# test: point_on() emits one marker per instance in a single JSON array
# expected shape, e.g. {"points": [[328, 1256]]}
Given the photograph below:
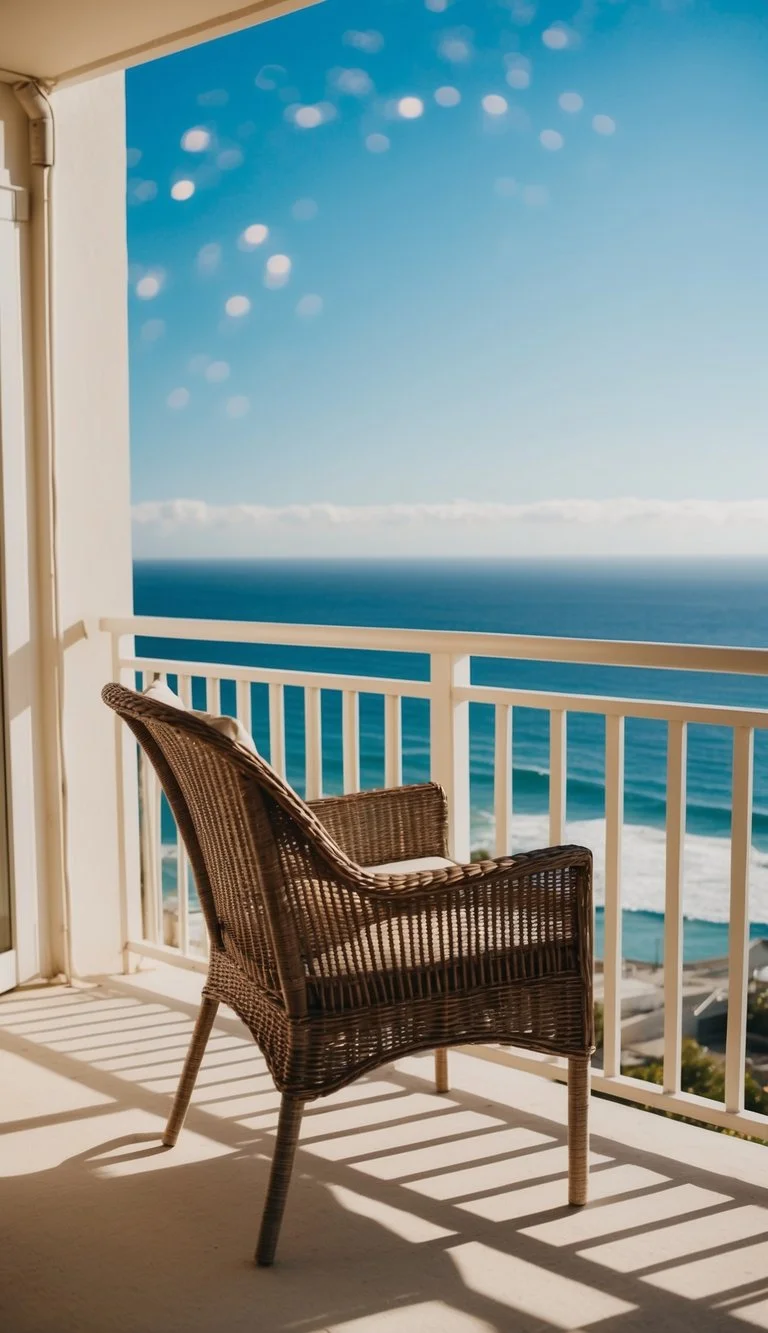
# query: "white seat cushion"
{"points": [[412, 867]]}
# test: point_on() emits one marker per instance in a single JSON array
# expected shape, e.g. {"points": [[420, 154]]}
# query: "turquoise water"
{"points": [[683, 601]]}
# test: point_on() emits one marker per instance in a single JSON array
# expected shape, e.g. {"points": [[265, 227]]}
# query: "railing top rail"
{"points": [[658, 710], [323, 680], [538, 648]]}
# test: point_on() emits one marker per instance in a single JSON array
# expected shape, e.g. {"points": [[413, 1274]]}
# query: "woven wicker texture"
{"points": [[336, 969]]}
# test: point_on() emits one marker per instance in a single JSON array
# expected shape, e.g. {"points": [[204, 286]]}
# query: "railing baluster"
{"points": [[313, 739], [182, 863], [149, 788], [157, 819], [350, 731], [277, 729], [558, 733], [673, 905], [449, 746], [612, 951], [127, 797], [502, 779], [738, 927], [393, 742], [213, 695], [243, 696]]}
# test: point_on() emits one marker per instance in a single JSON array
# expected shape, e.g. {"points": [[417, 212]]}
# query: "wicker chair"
{"points": [[336, 969]]}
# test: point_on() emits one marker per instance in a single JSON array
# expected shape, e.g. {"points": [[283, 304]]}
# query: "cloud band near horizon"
{"points": [[180, 514]]}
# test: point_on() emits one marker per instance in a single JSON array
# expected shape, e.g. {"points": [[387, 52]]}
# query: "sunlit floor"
{"points": [[408, 1211]]}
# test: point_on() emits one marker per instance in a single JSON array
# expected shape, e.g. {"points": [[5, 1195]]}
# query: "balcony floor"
{"points": [[409, 1212]]}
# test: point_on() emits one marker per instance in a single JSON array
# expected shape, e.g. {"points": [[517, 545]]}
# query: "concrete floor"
{"points": [[409, 1212]]}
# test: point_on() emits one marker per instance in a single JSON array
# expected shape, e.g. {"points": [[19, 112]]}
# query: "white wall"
{"points": [[18, 602], [91, 496], [92, 486]]}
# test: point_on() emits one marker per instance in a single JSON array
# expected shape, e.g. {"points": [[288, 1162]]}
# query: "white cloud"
{"points": [[620, 512], [623, 526]]}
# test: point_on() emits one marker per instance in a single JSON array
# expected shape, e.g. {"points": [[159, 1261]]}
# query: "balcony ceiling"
{"points": [[59, 41]]}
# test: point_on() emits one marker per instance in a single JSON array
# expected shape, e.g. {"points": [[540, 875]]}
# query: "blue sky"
{"points": [[512, 295]]}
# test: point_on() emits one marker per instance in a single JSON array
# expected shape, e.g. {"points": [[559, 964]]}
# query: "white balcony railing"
{"points": [[161, 920]]}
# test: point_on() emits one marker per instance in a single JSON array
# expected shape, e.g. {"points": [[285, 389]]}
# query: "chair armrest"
{"points": [[518, 919], [395, 824]]}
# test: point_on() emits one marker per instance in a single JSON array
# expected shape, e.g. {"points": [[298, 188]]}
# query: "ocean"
{"points": [[682, 601]]}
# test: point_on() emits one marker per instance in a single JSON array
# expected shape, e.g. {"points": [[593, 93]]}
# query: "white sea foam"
{"points": [[706, 873]]}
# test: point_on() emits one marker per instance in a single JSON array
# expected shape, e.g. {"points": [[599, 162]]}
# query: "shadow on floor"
{"points": [[409, 1212]]}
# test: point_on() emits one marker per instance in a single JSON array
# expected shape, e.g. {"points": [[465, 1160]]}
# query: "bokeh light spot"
{"points": [[152, 329], [217, 371], [518, 71], [370, 41], [311, 116], [353, 82], [304, 210], [535, 196], [178, 398], [410, 108], [447, 96], [308, 117], [494, 104], [277, 270], [552, 140], [377, 143], [239, 406], [254, 235], [132, 157], [505, 186], [556, 37], [571, 102], [268, 77], [148, 286], [229, 159], [456, 46], [183, 189], [309, 306], [213, 97], [518, 78], [209, 257], [236, 306], [195, 140], [140, 192], [603, 124]]}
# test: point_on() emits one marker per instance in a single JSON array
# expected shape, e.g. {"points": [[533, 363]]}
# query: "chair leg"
{"points": [[578, 1130], [289, 1123], [190, 1071], [441, 1070]]}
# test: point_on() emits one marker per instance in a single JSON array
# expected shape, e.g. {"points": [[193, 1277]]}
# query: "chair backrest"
{"points": [[248, 836]]}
